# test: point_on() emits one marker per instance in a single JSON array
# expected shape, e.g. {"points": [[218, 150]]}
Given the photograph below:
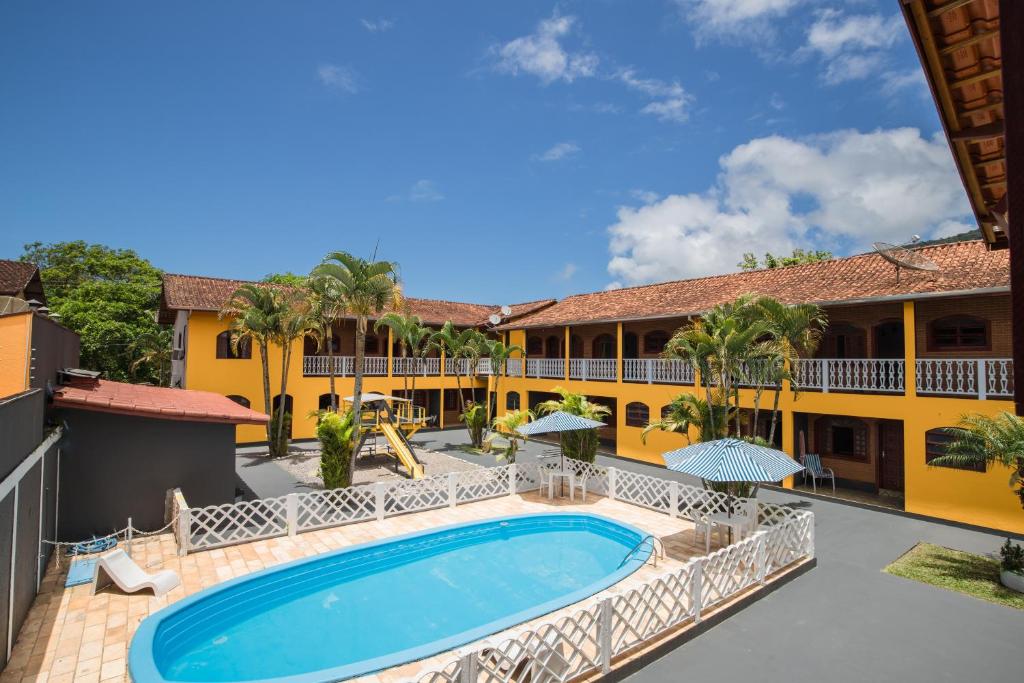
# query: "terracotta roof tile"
{"points": [[197, 293], [156, 402], [963, 266], [15, 276]]}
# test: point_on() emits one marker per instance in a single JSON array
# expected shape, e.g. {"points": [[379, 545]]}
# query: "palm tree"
{"points": [[326, 309], [797, 329], [153, 350], [365, 288], [689, 410], [981, 439], [256, 312], [507, 426], [404, 329], [499, 353], [296, 323], [417, 340], [456, 344], [581, 445]]}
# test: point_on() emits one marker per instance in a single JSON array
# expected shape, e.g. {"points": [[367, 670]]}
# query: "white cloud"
{"points": [[777, 193], [421, 191], [567, 271], [338, 77], [377, 25], [894, 82], [851, 47], [736, 19], [645, 196], [558, 152], [950, 228], [671, 103], [541, 54]]}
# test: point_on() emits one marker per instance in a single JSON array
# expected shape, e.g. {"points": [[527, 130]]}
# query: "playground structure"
{"points": [[394, 418]]}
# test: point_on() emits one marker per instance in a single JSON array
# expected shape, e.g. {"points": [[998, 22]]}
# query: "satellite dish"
{"points": [[494, 318], [12, 304], [506, 310], [901, 257]]}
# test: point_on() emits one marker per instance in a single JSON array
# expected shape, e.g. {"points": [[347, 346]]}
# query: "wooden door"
{"points": [[890, 454]]}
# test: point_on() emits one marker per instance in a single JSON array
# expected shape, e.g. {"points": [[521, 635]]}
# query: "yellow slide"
{"points": [[402, 451]]}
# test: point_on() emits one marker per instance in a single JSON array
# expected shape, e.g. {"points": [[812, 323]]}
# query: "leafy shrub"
{"points": [[1013, 557], [475, 417], [279, 446], [334, 432]]}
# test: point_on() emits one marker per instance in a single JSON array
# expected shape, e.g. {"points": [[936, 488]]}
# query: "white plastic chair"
{"points": [[119, 567]]}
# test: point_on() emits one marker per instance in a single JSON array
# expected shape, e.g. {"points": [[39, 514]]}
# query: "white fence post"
{"points": [[512, 476], [291, 510], [649, 369], [824, 376], [673, 499], [982, 380], [379, 491], [184, 530], [697, 589], [467, 668], [453, 489], [761, 557], [604, 637]]}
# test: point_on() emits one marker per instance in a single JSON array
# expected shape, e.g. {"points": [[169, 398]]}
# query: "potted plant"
{"points": [[1011, 567]]}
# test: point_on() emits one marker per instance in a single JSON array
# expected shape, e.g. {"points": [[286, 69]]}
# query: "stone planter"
{"points": [[1012, 580]]}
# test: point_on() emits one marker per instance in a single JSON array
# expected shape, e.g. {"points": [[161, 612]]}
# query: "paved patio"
{"points": [[71, 635]]}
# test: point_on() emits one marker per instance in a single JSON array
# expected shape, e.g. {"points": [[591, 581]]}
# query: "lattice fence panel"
{"points": [[449, 673], [334, 507], [478, 484], [729, 570], [643, 490], [644, 612], [415, 494], [596, 476], [698, 501], [788, 542], [230, 523], [527, 477], [769, 514]]}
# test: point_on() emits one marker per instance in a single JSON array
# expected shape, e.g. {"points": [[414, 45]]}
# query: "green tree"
{"points": [[405, 330], [579, 445], [256, 313], [295, 323], [506, 427], [499, 353], [689, 410], [325, 309], [798, 257], [108, 296], [335, 433], [475, 419], [983, 439], [151, 352], [457, 345], [365, 288], [286, 279]]}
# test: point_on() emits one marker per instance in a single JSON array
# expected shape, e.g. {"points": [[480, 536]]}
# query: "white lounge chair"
{"points": [[118, 567]]}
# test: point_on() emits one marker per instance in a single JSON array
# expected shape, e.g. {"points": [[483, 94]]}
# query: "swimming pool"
{"points": [[381, 604]]}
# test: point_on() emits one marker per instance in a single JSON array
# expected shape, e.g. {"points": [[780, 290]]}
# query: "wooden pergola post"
{"points": [[1011, 38]]}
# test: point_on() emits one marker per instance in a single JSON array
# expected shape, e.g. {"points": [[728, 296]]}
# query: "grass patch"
{"points": [[955, 570]]}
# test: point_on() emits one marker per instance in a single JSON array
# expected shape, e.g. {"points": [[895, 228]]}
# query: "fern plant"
{"points": [[988, 440], [475, 418], [335, 433]]}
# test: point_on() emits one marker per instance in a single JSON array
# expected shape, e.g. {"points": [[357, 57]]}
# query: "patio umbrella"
{"points": [[732, 460], [559, 421]]}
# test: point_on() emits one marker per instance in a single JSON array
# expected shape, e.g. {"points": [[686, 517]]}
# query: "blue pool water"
{"points": [[381, 604]]}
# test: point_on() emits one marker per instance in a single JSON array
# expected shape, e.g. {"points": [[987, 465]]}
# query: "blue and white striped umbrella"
{"points": [[558, 421], [732, 460]]}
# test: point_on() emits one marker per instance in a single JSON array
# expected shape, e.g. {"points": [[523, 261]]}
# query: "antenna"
{"points": [[902, 257], [506, 310], [494, 318]]}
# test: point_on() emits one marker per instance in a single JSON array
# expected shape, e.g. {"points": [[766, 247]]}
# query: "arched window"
{"points": [[225, 348], [637, 414], [575, 346], [240, 400], [324, 402], [276, 403], [534, 346], [604, 346], [935, 443], [553, 347], [654, 342], [666, 411], [959, 333], [512, 400], [310, 347], [842, 437]]}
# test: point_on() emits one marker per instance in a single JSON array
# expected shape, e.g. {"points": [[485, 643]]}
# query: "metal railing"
{"points": [[585, 369], [545, 367], [981, 378], [657, 371]]}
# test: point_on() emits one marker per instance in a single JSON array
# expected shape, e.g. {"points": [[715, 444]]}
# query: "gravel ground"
{"points": [[303, 465]]}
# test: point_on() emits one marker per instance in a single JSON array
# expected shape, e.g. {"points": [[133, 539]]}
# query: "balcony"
{"points": [[422, 367], [587, 369], [851, 375], [344, 366], [657, 371], [553, 368], [981, 378]]}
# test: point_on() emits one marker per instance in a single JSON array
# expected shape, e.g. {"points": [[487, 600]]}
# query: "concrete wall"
{"points": [[117, 466]]}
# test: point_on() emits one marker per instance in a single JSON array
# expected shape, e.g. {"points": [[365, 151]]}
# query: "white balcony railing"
{"points": [[657, 371], [883, 375], [545, 367], [586, 369], [514, 367], [483, 367], [423, 367], [981, 378], [344, 366]]}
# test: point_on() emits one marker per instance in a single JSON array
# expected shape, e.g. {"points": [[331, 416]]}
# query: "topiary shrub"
{"points": [[334, 432]]}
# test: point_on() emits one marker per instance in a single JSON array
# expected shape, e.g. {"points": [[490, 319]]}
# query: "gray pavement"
{"points": [[845, 620]]}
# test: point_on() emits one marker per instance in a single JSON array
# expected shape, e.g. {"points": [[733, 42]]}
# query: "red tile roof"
{"points": [[963, 266], [157, 402], [15, 276], [197, 293]]}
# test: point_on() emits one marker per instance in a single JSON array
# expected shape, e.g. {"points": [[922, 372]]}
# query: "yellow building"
{"points": [[904, 356]]}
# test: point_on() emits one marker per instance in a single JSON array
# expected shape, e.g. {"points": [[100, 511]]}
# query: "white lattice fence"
{"points": [[413, 495], [321, 509], [219, 525], [487, 482], [733, 568], [643, 490], [653, 608], [596, 476]]}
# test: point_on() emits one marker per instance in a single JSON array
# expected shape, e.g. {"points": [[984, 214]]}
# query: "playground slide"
{"points": [[401, 450]]}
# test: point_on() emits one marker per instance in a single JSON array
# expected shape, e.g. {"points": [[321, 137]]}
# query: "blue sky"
{"points": [[497, 151]]}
